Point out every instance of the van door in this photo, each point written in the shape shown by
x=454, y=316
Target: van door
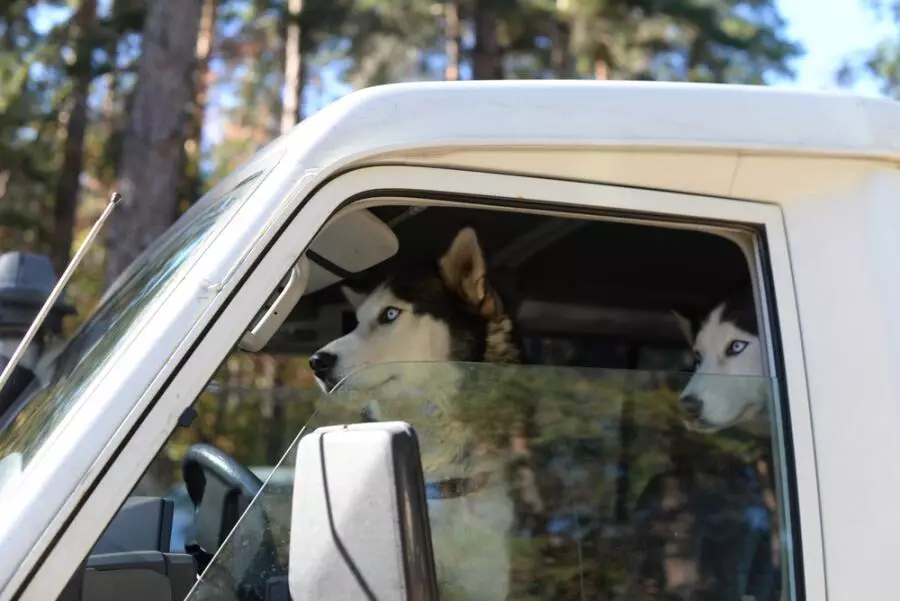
x=474, y=556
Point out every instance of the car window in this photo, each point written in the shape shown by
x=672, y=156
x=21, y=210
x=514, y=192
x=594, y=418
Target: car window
x=559, y=483
x=33, y=421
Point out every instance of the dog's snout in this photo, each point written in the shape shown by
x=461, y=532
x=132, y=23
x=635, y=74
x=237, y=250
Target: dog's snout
x=691, y=405
x=322, y=363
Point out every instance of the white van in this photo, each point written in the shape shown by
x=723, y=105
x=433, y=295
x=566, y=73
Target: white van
x=602, y=207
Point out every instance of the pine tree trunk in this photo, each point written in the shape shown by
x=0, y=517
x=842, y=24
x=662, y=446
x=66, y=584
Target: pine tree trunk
x=560, y=56
x=111, y=113
x=452, y=40
x=202, y=81
x=293, y=69
x=602, y=56
x=487, y=59
x=206, y=39
x=67, y=185
x=152, y=163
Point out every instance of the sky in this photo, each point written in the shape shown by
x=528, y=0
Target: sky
x=829, y=35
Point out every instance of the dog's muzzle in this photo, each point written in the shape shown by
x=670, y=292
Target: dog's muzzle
x=322, y=364
x=691, y=406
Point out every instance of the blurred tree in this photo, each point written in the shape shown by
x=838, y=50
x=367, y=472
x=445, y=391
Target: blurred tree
x=293, y=68
x=882, y=61
x=723, y=41
x=152, y=160
x=206, y=40
x=487, y=56
x=246, y=77
x=67, y=187
x=561, y=41
x=115, y=61
x=452, y=40
x=385, y=41
x=29, y=128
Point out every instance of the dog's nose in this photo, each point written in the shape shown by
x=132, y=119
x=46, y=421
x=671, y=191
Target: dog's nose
x=322, y=362
x=691, y=405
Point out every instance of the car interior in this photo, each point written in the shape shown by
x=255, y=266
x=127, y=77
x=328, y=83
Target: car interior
x=586, y=291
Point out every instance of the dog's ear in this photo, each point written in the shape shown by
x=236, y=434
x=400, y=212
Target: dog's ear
x=686, y=326
x=464, y=270
x=353, y=297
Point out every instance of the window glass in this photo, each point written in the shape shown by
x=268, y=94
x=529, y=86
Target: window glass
x=33, y=422
x=560, y=483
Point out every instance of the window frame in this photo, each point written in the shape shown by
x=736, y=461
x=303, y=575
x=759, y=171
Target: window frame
x=371, y=185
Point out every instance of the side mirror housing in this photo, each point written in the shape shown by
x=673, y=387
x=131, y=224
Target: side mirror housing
x=359, y=521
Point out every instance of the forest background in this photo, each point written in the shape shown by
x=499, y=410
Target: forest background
x=166, y=96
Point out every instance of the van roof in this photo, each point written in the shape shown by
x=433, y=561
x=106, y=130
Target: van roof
x=607, y=114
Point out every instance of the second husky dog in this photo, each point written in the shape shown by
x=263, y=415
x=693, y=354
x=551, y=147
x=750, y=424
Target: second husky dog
x=727, y=386
x=709, y=527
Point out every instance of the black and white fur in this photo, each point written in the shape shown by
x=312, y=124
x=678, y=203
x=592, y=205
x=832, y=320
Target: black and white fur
x=433, y=311
x=694, y=538
x=414, y=330
x=727, y=386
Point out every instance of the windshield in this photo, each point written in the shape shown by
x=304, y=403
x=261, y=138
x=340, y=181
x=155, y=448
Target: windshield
x=556, y=483
x=32, y=421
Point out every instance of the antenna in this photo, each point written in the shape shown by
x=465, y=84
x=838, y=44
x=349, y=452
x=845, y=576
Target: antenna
x=57, y=290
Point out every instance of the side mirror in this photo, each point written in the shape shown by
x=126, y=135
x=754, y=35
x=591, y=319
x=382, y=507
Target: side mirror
x=359, y=521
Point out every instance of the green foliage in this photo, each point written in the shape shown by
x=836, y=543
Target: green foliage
x=16, y=220
x=27, y=116
x=726, y=41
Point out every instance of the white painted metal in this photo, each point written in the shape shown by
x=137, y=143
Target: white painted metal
x=845, y=249
x=527, y=115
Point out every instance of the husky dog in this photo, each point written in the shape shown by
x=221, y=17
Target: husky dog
x=444, y=311
x=414, y=330
x=708, y=527
x=727, y=386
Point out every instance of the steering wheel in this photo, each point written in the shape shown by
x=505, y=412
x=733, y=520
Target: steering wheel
x=221, y=490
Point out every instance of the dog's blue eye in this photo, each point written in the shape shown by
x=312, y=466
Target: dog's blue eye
x=736, y=347
x=388, y=315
